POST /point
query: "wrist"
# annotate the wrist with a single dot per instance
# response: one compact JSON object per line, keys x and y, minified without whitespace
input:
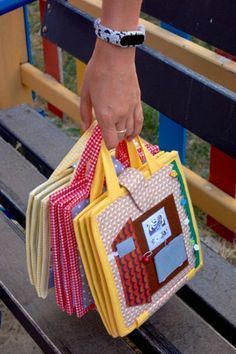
{"x":109,"y":53}
{"x":119,"y":23}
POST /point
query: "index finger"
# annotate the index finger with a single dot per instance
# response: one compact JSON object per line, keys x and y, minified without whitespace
{"x":109,"y":133}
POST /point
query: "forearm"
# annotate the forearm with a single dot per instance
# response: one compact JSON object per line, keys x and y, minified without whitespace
{"x":121,"y":15}
{"x":111,"y":85}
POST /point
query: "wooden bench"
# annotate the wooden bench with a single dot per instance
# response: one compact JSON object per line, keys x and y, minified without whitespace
{"x":199,"y":319}
{"x":182,"y":80}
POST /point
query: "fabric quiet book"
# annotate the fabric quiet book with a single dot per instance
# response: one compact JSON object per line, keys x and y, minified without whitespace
{"x":113,"y":231}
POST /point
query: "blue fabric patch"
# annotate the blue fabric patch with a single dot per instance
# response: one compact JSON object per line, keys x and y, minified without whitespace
{"x":125,"y":247}
{"x":79,"y":207}
{"x":170,"y":258}
{"x":51,"y":278}
{"x":87,"y":296}
{"x":118,"y":166}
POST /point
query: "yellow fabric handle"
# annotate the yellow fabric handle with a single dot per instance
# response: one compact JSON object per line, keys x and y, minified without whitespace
{"x":112,"y":182}
{"x":151,"y":161}
{"x":104,"y":170}
{"x":99,"y":177}
{"x":135,"y":162}
{"x":98,"y":180}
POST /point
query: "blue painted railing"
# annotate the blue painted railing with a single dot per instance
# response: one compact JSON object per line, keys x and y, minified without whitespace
{"x":171,"y":135}
{"x":10,"y":5}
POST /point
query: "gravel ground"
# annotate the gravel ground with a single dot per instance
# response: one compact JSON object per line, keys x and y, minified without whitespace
{"x":13,"y":337}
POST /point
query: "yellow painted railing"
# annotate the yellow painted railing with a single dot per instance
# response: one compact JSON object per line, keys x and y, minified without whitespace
{"x":50,"y":89}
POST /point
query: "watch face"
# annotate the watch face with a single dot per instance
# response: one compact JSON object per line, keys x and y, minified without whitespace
{"x":131,"y":40}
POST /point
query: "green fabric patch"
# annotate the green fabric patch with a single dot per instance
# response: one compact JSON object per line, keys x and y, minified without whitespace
{"x":193,"y":238}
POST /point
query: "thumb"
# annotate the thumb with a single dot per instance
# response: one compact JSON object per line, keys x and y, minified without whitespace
{"x":85,"y":112}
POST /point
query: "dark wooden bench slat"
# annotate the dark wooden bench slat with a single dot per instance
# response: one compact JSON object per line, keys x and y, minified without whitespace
{"x":32,"y":131}
{"x":158,"y":342}
{"x":17,"y":177}
{"x":197,"y":285}
{"x":69,"y":334}
{"x":212,"y":21}
{"x":209,"y":285}
{"x":193,"y":335}
{"x":191,"y":100}
{"x":28,"y":323}
{"x":216,"y":283}
{"x":183,"y":327}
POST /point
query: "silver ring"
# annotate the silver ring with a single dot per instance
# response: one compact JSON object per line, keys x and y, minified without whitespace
{"x":121,"y":131}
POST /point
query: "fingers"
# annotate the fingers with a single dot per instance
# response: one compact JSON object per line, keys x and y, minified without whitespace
{"x":137,"y":121}
{"x":130,"y":123}
{"x":85,"y":112}
{"x":121,"y":128}
{"x":108,"y":129}
{"x":110,"y":126}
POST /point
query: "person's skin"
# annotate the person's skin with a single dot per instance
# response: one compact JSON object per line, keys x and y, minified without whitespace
{"x":110,"y":85}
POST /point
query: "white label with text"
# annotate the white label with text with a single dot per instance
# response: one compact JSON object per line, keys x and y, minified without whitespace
{"x":156,"y":229}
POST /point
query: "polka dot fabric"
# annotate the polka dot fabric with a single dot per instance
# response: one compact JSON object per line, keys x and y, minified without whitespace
{"x":70,"y":282}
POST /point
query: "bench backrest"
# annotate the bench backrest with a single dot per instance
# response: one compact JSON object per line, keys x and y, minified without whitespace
{"x":188,"y":83}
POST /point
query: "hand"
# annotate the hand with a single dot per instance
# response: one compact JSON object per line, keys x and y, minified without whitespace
{"x":111,"y":88}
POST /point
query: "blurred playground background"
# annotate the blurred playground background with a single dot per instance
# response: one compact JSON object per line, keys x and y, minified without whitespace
{"x":197,"y":150}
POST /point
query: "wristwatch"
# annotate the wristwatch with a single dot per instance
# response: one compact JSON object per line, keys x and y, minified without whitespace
{"x":120,"y":38}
